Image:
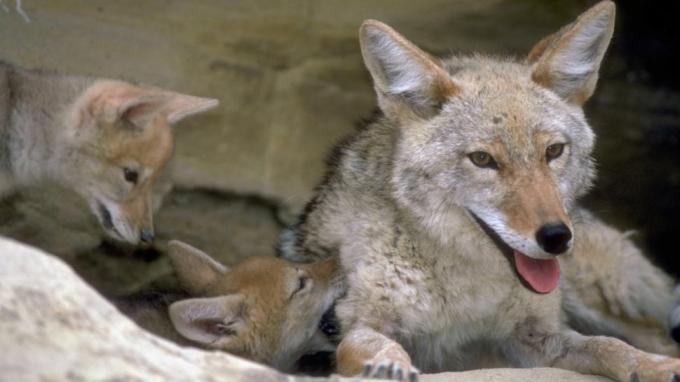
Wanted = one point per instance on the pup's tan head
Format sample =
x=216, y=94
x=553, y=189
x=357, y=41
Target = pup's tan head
x=264, y=308
x=120, y=140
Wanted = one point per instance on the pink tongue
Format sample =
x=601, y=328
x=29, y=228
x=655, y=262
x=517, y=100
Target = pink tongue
x=542, y=275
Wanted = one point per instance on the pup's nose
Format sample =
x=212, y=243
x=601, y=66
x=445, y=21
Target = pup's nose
x=554, y=238
x=146, y=236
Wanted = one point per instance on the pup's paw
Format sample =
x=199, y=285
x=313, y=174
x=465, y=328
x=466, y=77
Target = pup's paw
x=385, y=368
x=661, y=369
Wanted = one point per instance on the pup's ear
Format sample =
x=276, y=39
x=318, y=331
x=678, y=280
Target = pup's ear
x=568, y=61
x=405, y=78
x=194, y=268
x=204, y=320
x=112, y=101
x=179, y=106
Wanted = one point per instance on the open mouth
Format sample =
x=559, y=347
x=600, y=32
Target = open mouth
x=540, y=275
x=107, y=220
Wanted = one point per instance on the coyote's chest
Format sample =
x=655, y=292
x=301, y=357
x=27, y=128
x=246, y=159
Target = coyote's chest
x=459, y=300
x=462, y=292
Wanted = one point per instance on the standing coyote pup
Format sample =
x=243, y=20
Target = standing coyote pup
x=450, y=212
x=107, y=140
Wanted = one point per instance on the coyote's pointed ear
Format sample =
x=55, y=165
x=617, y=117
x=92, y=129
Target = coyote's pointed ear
x=206, y=320
x=567, y=62
x=194, y=268
x=112, y=101
x=405, y=77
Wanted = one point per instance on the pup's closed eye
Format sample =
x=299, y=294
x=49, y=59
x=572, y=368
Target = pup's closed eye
x=303, y=283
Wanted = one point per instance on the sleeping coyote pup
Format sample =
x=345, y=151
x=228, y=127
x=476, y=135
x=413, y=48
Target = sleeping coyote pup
x=107, y=140
x=455, y=214
x=263, y=308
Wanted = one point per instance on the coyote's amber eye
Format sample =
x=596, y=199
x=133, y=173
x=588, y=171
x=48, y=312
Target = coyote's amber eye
x=130, y=175
x=554, y=151
x=482, y=159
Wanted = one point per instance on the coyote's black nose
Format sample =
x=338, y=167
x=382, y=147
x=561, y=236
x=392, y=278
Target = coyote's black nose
x=146, y=236
x=554, y=237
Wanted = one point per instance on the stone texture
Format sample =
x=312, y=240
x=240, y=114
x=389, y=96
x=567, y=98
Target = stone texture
x=513, y=375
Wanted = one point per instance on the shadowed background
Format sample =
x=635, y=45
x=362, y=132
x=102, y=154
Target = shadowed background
x=291, y=83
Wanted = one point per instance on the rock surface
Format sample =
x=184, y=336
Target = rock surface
x=513, y=375
x=54, y=326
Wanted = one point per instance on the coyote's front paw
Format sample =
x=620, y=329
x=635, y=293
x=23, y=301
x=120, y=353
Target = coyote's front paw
x=386, y=368
x=661, y=369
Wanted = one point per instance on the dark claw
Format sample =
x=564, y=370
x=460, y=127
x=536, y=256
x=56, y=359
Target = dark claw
x=413, y=376
x=380, y=371
x=399, y=374
x=390, y=370
x=367, y=370
x=634, y=377
x=676, y=378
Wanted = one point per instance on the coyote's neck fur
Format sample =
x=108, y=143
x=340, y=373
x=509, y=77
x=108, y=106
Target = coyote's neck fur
x=32, y=108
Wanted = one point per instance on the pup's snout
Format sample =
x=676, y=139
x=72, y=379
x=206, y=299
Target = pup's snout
x=146, y=236
x=554, y=238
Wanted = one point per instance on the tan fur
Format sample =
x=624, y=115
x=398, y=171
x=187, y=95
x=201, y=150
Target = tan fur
x=257, y=301
x=359, y=347
x=544, y=54
x=441, y=86
x=533, y=201
x=82, y=133
x=426, y=237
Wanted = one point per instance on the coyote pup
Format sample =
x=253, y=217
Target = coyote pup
x=107, y=140
x=264, y=308
x=453, y=214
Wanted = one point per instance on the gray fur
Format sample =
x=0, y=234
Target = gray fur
x=32, y=107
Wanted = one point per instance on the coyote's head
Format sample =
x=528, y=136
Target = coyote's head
x=117, y=142
x=507, y=141
x=264, y=308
